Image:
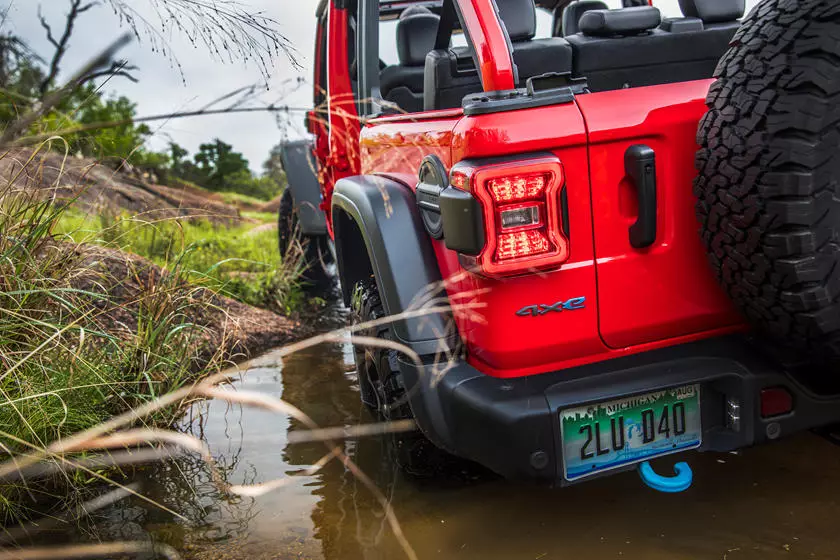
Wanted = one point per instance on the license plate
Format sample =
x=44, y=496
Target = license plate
x=603, y=436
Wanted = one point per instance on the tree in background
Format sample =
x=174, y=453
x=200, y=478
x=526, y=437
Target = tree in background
x=217, y=167
x=217, y=163
x=273, y=166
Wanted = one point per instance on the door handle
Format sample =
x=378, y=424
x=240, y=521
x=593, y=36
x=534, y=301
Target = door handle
x=640, y=167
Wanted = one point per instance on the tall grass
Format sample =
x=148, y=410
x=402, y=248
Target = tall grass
x=72, y=353
x=236, y=259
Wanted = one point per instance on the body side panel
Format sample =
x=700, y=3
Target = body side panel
x=666, y=290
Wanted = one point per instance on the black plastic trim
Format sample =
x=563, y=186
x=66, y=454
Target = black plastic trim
x=300, y=165
x=432, y=179
x=503, y=423
x=640, y=166
x=564, y=212
x=545, y=89
x=463, y=221
x=400, y=253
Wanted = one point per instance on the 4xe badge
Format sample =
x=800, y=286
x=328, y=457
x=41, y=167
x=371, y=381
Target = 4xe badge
x=542, y=309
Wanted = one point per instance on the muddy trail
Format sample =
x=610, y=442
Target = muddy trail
x=777, y=501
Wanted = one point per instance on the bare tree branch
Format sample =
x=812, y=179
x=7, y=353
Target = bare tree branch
x=51, y=100
x=118, y=68
x=76, y=8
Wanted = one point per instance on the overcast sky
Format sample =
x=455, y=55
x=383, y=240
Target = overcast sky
x=163, y=89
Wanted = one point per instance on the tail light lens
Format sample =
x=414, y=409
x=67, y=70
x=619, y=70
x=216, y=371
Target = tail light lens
x=521, y=205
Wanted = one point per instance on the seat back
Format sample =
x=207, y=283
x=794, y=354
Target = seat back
x=628, y=48
x=450, y=74
x=566, y=21
x=403, y=83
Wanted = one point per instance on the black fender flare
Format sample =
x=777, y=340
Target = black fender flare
x=400, y=255
x=302, y=182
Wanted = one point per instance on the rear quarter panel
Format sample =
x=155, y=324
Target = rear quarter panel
x=666, y=290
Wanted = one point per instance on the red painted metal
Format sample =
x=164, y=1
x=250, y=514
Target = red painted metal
x=342, y=159
x=495, y=63
x=635, y=300
x=665, y=290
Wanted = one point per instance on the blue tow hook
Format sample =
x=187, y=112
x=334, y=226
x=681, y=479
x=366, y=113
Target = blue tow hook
x=672, y=484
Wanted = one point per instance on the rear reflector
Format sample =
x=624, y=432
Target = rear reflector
x=522, y=244
x=775, y=401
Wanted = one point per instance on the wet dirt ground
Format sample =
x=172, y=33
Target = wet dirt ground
x=778, y=501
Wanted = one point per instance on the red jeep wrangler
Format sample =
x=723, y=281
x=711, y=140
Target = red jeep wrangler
x=542, y=188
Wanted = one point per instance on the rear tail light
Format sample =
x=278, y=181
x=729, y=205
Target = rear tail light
x=775, y=401
x=522, y=213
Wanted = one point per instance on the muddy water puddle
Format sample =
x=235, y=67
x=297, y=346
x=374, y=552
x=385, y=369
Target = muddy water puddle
x=778, y=501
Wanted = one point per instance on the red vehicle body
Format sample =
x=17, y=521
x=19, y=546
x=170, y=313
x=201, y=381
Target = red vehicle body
x=631, y=307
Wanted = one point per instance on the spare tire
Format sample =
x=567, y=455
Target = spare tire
x=768, y=188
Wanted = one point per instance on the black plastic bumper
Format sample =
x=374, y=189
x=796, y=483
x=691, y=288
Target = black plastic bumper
x=512, y=425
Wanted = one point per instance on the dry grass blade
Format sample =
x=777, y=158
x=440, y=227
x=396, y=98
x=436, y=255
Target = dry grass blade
x=352, y=432
x=51, y=100
x=260, y=488
x=274, y=404
x=47, y=524
x=104, y=550
x=103, y=461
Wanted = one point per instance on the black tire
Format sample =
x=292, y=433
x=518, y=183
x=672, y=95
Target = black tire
x=381, y=386
x=768, y=188
x=317, y=255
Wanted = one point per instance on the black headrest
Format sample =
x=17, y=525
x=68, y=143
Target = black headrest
x=416, y=33
x=519, y=17
x=572, y=14
x=713, y=11
x=626, y=21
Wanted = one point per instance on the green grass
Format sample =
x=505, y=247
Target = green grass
x=236, y=260
x=67, y=360
x=262, y=217
x=237, y=199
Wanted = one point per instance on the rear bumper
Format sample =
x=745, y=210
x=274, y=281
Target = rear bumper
x=511, y=425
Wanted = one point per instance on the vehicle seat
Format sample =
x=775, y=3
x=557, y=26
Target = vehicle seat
x=532, y=56
x=626, y=48
x=450, y=73
x=566, y=21
x=403, y=84
x=715, y=14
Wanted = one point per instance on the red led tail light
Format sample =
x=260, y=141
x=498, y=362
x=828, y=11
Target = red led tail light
x=521, y=205
x=517, y=188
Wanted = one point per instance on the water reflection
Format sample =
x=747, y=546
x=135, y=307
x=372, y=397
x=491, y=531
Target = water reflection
x=777, y=501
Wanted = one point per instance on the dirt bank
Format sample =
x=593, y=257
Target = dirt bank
x=130, y=284
x=224, y=328
x=97, y=188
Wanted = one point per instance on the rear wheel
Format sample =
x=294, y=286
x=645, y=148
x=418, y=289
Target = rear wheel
x=316, y=254
x=769, y=177
x=381, y=385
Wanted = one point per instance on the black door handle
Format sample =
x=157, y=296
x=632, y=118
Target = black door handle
x=640, y=166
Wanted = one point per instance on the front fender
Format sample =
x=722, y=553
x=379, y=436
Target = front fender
x=400, y=254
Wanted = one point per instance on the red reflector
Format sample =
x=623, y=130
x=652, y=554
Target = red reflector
x=775, y=401
x=458, y=180
x=515, y=188
x=522, y=244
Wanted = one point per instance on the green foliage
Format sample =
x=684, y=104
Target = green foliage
x=263, y=188
x=240, y=261
x=60, y=370
x=273, y=166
